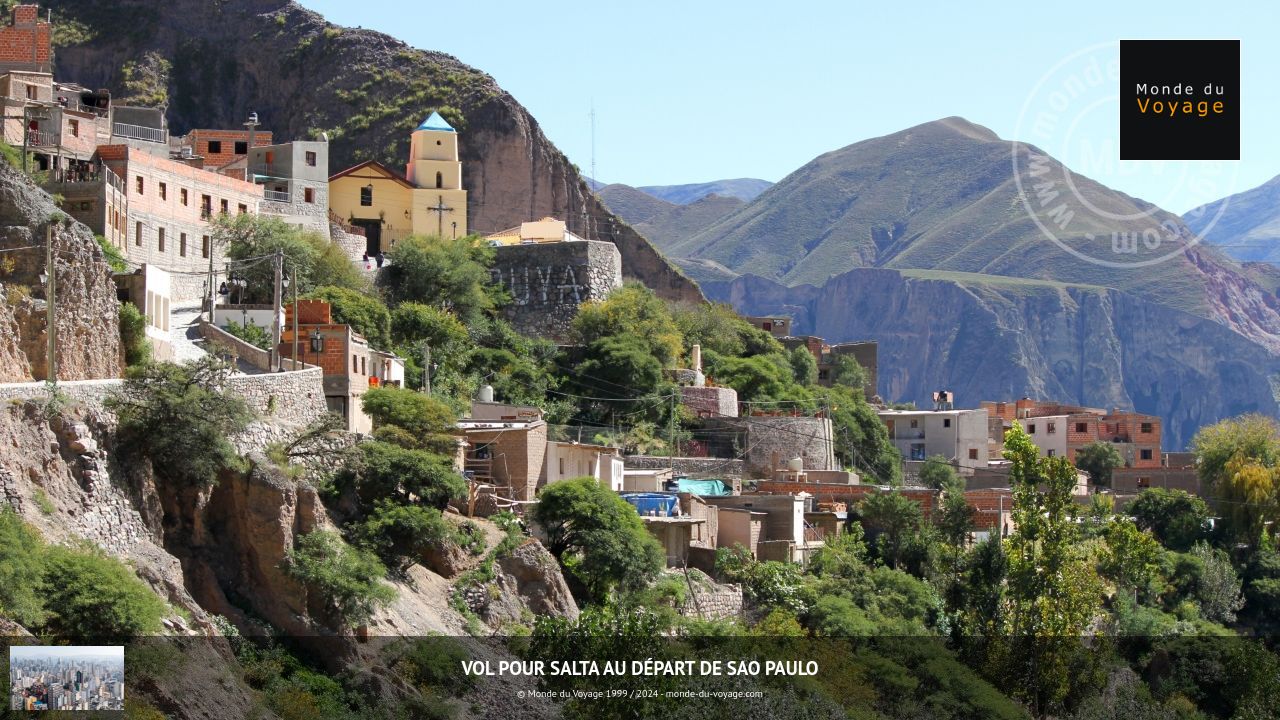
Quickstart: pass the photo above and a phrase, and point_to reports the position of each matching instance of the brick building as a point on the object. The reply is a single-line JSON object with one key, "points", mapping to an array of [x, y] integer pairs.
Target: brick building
{"points": [[507, 448], [219, 148], [343, 354], [1060, 430], [169, 208], [25, 41]]}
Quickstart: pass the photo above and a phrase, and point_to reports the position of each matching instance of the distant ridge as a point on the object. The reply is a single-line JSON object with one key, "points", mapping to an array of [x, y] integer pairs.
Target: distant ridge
{"points": [[744, 189]]}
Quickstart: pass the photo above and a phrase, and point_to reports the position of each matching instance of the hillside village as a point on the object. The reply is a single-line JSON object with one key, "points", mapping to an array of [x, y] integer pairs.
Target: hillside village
{"points": [[311, 366]]}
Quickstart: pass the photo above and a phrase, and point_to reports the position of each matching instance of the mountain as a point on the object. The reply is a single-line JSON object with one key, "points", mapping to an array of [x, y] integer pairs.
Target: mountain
{"points": [[1245, 226], [212, 64], [633, 205], [662, 222], [943, 196], [744, 189], [989, 338]]}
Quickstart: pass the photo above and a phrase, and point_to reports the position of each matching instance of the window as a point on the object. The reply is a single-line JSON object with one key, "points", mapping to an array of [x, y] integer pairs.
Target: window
{"points": [[160, 239], [206, 206], [915, 424], [1031, 429], [1146, 454], [222, 204], [311, 158], [241, 147], [561, 466], [31, 92], [204, 246], [1052, 427], [74, 127], [86, 206], [182, 244], [137, 184], [363, 370], [214, 147], [946, 422], [1144, 482], [182, 196], [439, 180], [309, 195], [973, 453], [242, 208], [1082, 427], [137, 234], [1052, 452], [1146, 428], [824, 374], [764, 326], [366, 195], [917, 451], [164, 191], [355, 365]]}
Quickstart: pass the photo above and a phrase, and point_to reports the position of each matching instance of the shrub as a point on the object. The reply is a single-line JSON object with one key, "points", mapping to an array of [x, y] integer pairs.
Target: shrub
{"points": [[172, 412], [252, 333], [21, 568], [420, 415], [133, 335], [364, 313], [112, 254], [397, 533], [390, 471], [91, 595], [351, 578]]}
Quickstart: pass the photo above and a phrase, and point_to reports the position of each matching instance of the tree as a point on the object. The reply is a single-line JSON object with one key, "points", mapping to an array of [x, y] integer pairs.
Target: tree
{"points": [[363, 312], [447, 274], [21, 570], [169, 411], [1237, 460], [133, 335], [847, 372], [405, 475], [1177, 518], [861, 438], [309, 257], [597, 535], [420, 415], [91, 595], [347, 577], [632, 310], [719, 328], [955, 519], [397, 533], [1053, 590], [1098, 459], [1132, 557], [1217, 587], [896, 532], [804, 367], [938, 474], [758, 378]]}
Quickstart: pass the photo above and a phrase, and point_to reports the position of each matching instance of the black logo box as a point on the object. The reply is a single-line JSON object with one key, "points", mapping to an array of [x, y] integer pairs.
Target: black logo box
{"points": [[1194, 65]]}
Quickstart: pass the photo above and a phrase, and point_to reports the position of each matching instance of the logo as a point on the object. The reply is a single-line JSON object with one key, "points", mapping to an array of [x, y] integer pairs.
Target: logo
{"points": [[1180, 99], [1069, 146]]}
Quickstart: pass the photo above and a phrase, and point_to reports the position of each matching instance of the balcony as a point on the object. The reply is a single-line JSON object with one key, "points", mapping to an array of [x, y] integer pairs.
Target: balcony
{"points": [[40, 139], [137, 132], [276, 196]]}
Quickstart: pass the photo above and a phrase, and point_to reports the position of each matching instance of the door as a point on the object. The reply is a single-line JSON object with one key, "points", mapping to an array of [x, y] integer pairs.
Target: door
{"points": [[372, 235]]}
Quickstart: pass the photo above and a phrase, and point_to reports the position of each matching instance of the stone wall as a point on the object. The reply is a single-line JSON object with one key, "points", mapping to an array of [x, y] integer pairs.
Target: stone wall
{"points": [[694, 467], [811, 438], [710, 401], [288, 398], [548, 282]]}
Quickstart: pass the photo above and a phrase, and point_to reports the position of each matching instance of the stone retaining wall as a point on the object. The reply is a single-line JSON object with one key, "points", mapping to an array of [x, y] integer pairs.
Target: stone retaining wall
{"points": [[694, 467], [548, 282]]}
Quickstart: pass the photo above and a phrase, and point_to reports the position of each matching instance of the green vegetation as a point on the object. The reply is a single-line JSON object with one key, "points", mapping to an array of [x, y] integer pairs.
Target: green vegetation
{"points": [[146, 81], [133, 335], [1239, 464], [597, 537], [180, 411], [449, 275], [112, 254], [309, 257], [347, 577], [252, 333], [1098, 459], [71, 591], [1177, 518]]}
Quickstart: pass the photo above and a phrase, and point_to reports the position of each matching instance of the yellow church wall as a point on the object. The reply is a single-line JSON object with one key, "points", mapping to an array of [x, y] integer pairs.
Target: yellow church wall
{"points": [[424, 174], [391, 202], [431, 145], [426, 222]]}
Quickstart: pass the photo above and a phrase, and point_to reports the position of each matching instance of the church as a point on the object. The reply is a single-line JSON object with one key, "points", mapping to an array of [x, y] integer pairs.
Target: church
{"points": [[427, 199]]}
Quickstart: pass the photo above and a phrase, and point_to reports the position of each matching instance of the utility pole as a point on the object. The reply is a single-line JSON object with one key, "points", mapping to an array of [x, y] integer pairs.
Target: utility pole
{"points": [[671, 431], [211, 288], [51, 332], [275, 320], [294, 283], [426, 367]]}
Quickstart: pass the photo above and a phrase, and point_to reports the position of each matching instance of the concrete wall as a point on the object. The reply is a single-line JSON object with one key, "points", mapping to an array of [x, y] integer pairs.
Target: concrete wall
{"points": [[810, 438], [548, 282], [960, 435]]}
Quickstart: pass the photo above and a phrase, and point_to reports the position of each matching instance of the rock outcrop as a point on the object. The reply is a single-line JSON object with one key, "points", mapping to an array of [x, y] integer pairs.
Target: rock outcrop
{"points": [[995, 339], [368, 91], [87, 312], [529, 583]]}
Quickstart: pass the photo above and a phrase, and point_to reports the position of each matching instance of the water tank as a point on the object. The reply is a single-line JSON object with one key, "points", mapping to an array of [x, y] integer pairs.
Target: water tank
{"points": [[485, 394], [795, 464]]}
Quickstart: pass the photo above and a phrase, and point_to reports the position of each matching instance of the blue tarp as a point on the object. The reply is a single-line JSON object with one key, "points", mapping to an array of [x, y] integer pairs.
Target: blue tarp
{"points": [[706, 488], [659, 504]]}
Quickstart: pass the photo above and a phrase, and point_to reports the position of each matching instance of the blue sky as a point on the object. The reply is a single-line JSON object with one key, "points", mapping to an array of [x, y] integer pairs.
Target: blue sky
{"points": [[696, 91]]}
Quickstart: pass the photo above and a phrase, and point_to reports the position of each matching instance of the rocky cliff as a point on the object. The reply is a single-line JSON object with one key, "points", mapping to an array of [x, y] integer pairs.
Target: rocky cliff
{"points": [[87, 312], [213, 63], [991, 338]]}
